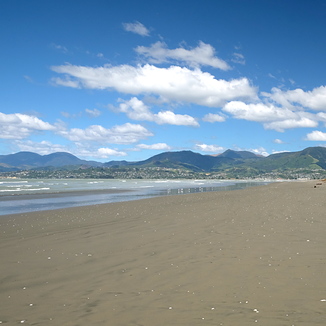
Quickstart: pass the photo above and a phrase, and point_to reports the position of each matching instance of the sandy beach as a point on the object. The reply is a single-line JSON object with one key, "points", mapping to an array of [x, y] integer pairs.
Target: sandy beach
{"points": [[246, 257]]}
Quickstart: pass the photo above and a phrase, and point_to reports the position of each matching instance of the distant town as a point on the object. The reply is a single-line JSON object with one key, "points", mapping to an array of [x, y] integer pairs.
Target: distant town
{"points": [[164, 173]]}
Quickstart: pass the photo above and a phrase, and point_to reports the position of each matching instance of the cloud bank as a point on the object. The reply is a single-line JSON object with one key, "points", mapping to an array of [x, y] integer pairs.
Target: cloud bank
{"points": [[272, 117], [174, 83]]}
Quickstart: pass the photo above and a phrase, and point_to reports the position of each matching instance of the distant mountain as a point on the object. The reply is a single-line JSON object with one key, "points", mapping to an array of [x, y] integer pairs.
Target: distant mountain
{"points": [[184, 159], [198, 162], [239, 155], [29, 160], [310, 158], [116, 163]]}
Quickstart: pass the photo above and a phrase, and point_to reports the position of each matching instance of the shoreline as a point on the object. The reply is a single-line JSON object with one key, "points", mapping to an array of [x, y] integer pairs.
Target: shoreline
{"points": [[238, 257], [59, 194], [40, 201]]}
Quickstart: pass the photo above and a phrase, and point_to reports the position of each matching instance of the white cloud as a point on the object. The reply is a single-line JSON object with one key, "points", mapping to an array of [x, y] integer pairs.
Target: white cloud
{"points": [[59, 47], [278, 141], [137, 110], [321, 116], [93, 113], [210, 117], [209, 148], [66, 82], [173, 83], [105, 152], [124, 134], [271, 116], [69, 115], [259, 112], [300, 122], [315, 99], [316, 135], [28, 78], [238, 58], [46, 147], [259, 151], [158, 146], [20, 126], [43, 148], [169, 117], [277, 152], [137, 28], [202, 55]]}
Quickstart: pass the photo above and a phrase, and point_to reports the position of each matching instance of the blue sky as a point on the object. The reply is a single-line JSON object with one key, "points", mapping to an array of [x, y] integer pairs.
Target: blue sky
{"points": [[125, 80]]}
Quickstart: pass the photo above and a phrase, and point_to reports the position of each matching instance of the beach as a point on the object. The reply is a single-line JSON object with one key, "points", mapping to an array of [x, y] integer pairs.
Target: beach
{"points": [[244, 257], [30, 195]]}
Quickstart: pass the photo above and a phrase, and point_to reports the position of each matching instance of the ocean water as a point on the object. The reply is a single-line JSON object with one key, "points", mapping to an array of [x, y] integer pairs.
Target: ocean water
{"points": [[28, 195]]}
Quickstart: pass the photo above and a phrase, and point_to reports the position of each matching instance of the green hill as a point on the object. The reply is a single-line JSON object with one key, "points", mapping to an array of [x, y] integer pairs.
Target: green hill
{"points": [[231, 163], [309, 158]]}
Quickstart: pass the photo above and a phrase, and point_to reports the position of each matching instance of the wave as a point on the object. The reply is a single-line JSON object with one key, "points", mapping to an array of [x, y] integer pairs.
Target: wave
{"points": [[5, 182], [20, 189]]}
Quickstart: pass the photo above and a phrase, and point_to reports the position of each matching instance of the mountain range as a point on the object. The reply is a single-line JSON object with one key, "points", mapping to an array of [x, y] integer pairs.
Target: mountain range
{"points": [[311, 158]]}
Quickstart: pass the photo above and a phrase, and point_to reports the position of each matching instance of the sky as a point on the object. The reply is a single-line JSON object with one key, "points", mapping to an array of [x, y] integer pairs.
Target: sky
{"points": [[125, 80]]}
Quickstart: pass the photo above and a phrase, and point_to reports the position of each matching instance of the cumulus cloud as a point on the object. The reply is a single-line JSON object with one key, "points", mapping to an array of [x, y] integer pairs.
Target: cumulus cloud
{"points": [[105, 152], [173, 83], [135, 109], [20, 126], [210, 117], [138, 110], [314, 100], [272, 117], [137, 28], [278, 141], [316, 135], [259, 151], [202, 55], [169, 117], [158, 146], [259, 112], [300, 122], [209, 148], [124, 134]]}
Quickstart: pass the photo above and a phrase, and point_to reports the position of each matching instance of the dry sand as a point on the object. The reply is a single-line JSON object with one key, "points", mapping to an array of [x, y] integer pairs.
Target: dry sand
{"points": [[247, 257]]}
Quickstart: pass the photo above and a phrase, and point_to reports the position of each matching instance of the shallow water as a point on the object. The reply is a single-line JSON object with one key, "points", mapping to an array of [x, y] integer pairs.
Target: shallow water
{"points": [[19, 195]]}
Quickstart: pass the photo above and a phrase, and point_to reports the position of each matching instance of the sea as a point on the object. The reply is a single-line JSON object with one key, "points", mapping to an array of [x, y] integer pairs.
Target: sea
{"points": [[29, 195]]}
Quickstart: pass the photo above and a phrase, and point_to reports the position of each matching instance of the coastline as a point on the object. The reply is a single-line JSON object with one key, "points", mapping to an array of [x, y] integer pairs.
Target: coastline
{"points": [[40, 195], [22, 196], [216, 258]]}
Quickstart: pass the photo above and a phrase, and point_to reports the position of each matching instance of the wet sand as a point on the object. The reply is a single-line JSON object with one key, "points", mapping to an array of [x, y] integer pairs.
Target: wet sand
{"points": [[49, 195], [247, 257]]}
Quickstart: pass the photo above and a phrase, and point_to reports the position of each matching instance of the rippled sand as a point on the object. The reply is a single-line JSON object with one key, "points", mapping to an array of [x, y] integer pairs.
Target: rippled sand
{"points": [[248, 257]]}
